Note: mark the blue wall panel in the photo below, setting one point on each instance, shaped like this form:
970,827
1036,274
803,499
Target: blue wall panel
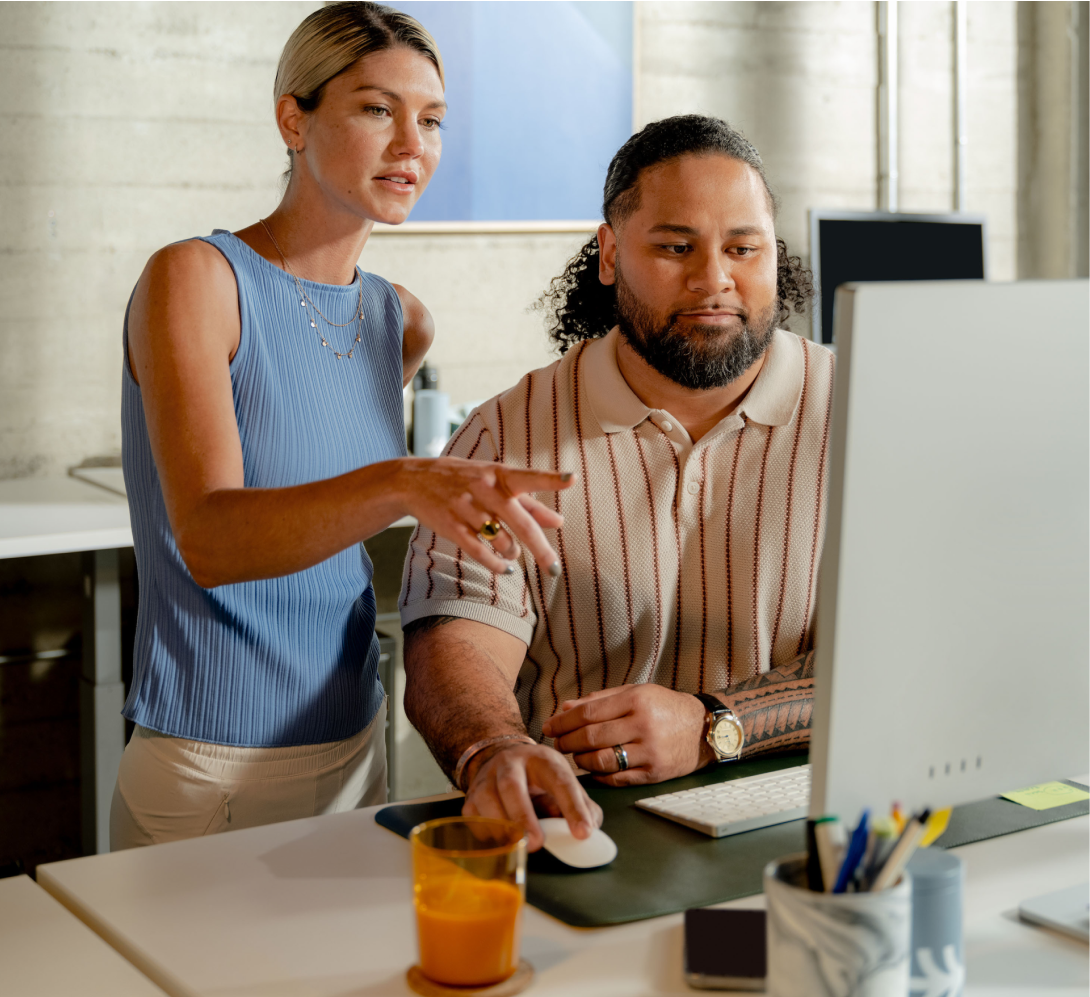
540,97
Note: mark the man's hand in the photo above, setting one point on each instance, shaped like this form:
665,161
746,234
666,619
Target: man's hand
660,730
517,781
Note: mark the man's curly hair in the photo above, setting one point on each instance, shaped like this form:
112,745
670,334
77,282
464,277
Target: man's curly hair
578,305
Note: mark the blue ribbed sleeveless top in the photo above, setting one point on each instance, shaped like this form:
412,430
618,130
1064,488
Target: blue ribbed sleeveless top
290,660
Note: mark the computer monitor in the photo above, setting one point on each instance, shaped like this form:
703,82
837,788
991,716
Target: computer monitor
953,639
848,246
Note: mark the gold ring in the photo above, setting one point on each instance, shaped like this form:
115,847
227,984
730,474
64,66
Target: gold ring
490,529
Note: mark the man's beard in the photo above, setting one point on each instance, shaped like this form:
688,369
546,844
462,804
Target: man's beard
698,357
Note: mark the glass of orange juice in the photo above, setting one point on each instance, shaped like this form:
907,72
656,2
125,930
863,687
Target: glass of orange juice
469,886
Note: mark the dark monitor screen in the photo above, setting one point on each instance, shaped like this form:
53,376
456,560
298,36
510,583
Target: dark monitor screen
891,247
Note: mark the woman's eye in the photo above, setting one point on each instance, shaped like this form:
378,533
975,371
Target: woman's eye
432,123
743,250
377,110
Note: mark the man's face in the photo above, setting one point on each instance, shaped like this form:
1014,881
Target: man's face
695,270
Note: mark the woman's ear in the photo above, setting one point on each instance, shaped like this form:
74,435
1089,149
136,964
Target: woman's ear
607,254
291,121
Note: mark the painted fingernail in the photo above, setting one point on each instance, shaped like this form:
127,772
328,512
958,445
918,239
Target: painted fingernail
566,476
509,570
554,568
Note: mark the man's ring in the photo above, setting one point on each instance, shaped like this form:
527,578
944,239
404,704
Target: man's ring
622,757
490,529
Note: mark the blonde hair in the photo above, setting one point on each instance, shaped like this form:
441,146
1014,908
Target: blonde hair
334,37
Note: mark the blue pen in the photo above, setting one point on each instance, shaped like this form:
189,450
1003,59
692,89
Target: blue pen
854,855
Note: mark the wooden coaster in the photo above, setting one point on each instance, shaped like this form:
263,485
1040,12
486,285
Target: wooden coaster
514,984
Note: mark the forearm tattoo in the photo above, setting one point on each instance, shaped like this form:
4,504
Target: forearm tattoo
775,708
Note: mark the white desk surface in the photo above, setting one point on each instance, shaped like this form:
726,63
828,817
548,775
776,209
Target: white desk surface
46,952
321,907
58,515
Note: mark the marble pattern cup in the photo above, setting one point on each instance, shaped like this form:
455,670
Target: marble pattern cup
835,945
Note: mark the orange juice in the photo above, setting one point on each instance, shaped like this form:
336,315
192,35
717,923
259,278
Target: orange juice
468,929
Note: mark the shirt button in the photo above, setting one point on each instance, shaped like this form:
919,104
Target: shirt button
693,487
667,426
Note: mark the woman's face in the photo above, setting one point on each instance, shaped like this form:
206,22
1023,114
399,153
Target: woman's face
372,144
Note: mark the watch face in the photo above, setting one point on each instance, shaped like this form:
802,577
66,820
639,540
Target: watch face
726,736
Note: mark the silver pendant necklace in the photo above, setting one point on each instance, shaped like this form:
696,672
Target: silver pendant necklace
306,301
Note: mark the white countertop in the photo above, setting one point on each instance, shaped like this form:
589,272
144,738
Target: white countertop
322,907
46,952
57,515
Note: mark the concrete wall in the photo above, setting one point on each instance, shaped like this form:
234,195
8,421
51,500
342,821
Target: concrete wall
128,126
132,125
800,80
1052,161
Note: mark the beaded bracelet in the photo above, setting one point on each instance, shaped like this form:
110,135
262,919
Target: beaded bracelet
478,746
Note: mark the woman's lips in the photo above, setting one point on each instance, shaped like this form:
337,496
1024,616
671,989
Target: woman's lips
399,181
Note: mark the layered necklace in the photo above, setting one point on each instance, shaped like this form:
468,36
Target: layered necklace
307,302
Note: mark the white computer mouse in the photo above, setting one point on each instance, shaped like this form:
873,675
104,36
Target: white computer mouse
598,849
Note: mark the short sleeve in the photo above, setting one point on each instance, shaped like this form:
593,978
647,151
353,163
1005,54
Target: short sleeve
440,579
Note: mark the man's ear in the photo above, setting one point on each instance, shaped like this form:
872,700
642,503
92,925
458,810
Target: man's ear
607,254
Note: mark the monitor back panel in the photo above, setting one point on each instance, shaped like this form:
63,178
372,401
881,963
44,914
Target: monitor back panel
953,643
848,246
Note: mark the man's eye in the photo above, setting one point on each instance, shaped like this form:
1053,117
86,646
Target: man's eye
676,250
744,250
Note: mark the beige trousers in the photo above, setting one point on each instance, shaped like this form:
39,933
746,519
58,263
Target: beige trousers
169,788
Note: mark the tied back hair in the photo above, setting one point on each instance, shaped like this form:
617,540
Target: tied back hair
335,37
578,305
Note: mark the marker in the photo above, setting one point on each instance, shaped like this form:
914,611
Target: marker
935,826
829,835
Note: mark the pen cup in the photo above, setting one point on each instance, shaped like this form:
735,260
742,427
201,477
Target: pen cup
469,886
835,944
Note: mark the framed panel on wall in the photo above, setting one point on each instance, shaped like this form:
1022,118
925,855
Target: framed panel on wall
540,98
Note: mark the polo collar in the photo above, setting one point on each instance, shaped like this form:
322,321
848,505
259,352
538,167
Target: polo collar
770,401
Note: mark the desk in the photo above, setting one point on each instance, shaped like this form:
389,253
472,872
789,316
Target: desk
322,907
56,516
46,952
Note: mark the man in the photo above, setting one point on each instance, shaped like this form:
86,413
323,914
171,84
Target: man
688,554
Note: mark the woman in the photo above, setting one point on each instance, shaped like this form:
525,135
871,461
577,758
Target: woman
264,440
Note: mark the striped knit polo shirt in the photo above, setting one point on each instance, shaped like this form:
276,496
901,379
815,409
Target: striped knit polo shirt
690,565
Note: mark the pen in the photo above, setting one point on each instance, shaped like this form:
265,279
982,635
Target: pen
856,847
885,834
902,852
813,861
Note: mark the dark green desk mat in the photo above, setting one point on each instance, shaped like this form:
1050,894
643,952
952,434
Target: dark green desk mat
995,817
663,867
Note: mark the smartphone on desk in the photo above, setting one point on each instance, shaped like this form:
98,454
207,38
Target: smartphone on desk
725,949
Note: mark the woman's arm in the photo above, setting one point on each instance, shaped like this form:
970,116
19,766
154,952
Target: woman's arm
184,328
418,335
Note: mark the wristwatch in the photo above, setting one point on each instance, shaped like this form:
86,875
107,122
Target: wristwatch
722,729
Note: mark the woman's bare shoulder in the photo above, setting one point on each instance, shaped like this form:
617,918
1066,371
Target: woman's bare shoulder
186,296
193,262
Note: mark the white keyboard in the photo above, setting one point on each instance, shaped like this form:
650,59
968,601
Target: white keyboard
739,805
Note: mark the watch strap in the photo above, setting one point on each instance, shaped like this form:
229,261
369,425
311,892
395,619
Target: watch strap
711,704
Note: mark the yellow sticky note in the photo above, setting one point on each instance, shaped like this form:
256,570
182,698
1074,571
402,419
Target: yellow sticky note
1047,795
